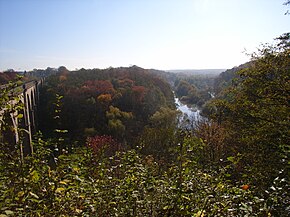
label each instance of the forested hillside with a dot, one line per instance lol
(255, 108)
(227, 78)
(114, 101)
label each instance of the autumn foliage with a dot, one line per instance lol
(92, 96)
(103, 143)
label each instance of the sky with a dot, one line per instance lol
(160, 34)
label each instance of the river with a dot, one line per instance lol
(189, 115)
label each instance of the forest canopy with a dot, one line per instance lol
(116, 101)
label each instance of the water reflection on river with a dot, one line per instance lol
(189, 115)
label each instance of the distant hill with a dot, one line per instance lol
(170, 77)
(225, 78)
(197, 71)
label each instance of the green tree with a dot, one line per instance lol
(116, 119)
(164, 117)
(257, 112)
(184, 88)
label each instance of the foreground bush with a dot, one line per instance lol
(86, 183)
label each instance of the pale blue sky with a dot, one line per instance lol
(161, 34)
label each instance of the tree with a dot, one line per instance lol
(257, 112)
(164, 117)
(183, 88)
(62, 70)
(116, 117)
(105, 99)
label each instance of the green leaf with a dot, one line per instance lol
(186, 198)
(34, 176)
(231, 159)
(19, 116)
(9, 212)
(63, 182)
(166, 207)
(59, 190)
(78, 211)
(34, 195)
(20, 193)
